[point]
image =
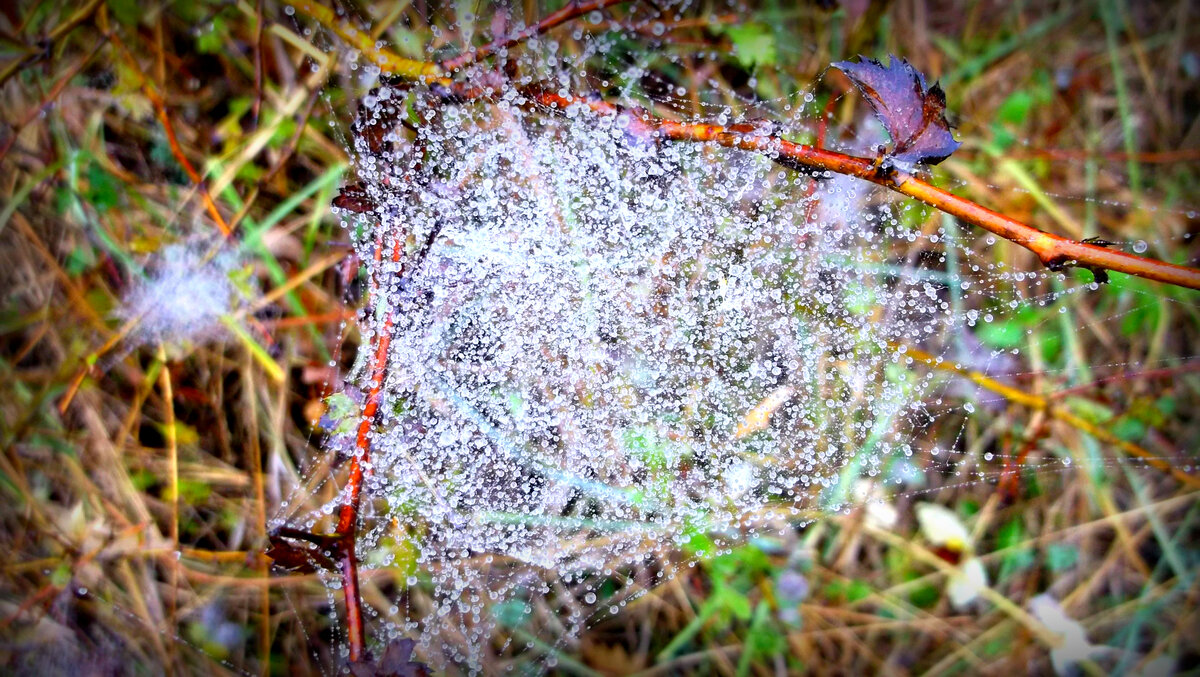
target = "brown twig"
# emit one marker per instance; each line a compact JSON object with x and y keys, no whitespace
{"x":1146,"y":157}
{"x":49,"y":97}
{"x":256,"y":109}
{"x":1055,"y":252}
{"x":59,"y":31}
{"x":571,"y":11}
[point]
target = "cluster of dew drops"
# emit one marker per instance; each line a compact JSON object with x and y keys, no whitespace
{"x":611,"y":343}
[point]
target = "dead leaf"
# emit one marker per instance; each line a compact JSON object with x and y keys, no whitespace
{"x":395,"y":662}
{"x":354,"y":198}
{"x":297,"y":557}
{"x":915,"y":117}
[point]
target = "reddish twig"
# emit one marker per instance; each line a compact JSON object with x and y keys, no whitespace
{"x":571,"y":11}
{"x":347,"y":526}
{"x":1009,"y":485}
{"x":1055,"y":252}
{"x":160,"y":109}
{"x":346,"y":533}
{"x":823,"y":123}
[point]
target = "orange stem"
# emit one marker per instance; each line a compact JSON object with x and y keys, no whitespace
{"x":1055,"y":252}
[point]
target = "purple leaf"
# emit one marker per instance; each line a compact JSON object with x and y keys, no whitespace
{"x":915,"y":117}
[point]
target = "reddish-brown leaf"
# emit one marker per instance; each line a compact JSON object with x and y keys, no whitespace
{"x":354,"y":198}
{"x":914,"y":116}
{"x":296,"y":557}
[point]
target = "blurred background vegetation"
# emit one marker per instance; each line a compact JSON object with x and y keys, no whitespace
{"x":133,"y":520}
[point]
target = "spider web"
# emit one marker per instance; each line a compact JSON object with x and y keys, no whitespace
{"x":616,"y":347}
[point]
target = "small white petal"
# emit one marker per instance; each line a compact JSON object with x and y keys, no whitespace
{"x":1075,"y":646}
{"x":942,"y":526}
{"x":966,"y":583}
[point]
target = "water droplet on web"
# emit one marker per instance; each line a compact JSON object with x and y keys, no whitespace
{"x":1140,"y":246}
{"x":616,"y":341}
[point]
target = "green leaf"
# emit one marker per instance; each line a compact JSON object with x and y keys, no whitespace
{"x":128,"y":12}
{"x":78,"y":260}
{"x":511,"y":614}
{"x":61,"y":576}
{"x":857,"y":590}
{"x":1011,"y":535}
{"x":1060,"y":556}
{"x":735,"y":602}
{"x":191,"y":492}
{"x":212,"y":39}
{"x":1011,"y":115}
{"x":1001,"y":334}
{"x":753,"y":44}
{"x":1129,"y":429}
{"x":1090,"y":410}
{"x":925,"y":596}
{"x":102,"y":191}
{"x":142,"y":479}
{"x":699,"y":544}
{"x":1140,"y":319}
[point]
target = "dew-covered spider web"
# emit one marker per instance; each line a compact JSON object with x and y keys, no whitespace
{"x":602,"y":345}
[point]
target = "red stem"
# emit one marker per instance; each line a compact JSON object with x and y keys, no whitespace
{"x":347,"y":526}
{"x":563,"y":15}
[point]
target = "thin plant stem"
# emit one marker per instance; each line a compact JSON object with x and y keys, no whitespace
{"x":1039,"y":403}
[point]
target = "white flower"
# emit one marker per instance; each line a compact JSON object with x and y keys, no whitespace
{"x":878,"y":513}
{"x":966,"y":583}
{"x":943,"y":529}
{"x":1075,"y":646}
